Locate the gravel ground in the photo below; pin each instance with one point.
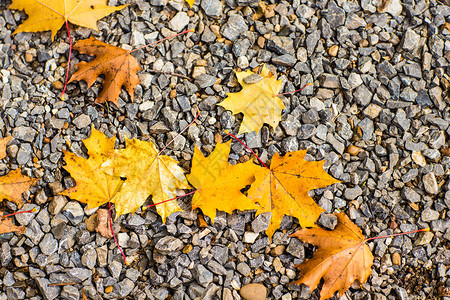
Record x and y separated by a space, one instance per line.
380 83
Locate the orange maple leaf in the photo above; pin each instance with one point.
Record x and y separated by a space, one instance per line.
215 178
13 185
283 189
118 65
46 15
6 225
342 257
3 143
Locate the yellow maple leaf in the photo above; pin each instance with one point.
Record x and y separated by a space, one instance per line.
283 189
215 178
258 101
341 258
92 186
147 173
46 15
13 184
117 65
190 2
3 143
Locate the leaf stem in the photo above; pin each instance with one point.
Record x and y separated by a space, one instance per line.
68 62
184 129
230 134
154 204
299 90
112 231
20 212
162 40
396 234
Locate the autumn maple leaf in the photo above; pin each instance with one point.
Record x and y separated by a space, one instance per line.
6 225
3 143
118 65
147 173
13 184
46 15
283 189
258 101
341 258
92 186
215 178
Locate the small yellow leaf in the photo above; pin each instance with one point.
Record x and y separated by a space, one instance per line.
258 101
147 174
92 186
46 15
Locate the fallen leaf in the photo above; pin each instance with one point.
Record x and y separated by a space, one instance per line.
147 173
219 183
342 257
13 185
283 189
92 186
3 143
117 65
6 225
102 223
258 101
190 2
46 15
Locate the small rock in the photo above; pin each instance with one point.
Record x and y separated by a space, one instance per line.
278 250
202 275
250 237
49 244
74 212
424 239
49 292
212 8
392 7
253 291
179 21
396 259
82 121
430 183
329 221
168 244
429 215
205 80
234 27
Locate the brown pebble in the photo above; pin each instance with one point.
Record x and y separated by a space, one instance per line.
28 57
333 50
278 250
353 150
109 289
58 85
396 258
253 291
